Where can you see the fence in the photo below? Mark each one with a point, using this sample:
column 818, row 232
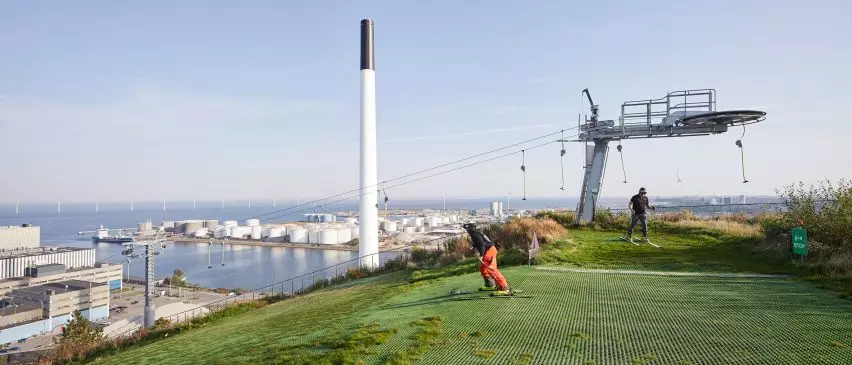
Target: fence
column 320, row 278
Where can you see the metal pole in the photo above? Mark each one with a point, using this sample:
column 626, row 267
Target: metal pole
column 149, row 287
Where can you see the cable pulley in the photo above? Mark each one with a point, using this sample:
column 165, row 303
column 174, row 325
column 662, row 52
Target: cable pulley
column 739, row 144
column 623, row 171
column 562, row 160
column 524, row 171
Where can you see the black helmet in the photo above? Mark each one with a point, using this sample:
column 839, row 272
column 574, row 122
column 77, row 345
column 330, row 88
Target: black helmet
column 642, row 190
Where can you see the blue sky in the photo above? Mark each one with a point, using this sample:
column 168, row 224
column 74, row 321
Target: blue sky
column 259, row 99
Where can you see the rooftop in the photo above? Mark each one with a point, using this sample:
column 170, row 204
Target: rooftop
column 37, row 251
column 60, row 286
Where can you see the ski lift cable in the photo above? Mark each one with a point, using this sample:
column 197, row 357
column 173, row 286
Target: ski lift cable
column 623, row 170
column 416, row 172
column 358, row 195
column 524, row 171
column 739, row 144
column 562, row 160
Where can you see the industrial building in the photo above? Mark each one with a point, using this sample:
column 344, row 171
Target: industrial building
column 18, row 237
column 13, row 263
column 109, row 274
column 43, row 308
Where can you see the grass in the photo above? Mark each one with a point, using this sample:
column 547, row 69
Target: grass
column 572, row 317
column 580, row 318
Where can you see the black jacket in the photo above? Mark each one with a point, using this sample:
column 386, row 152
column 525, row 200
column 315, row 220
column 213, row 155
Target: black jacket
column 478, row 240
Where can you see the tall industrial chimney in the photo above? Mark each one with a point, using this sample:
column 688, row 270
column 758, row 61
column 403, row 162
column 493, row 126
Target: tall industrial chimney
column 368, row 248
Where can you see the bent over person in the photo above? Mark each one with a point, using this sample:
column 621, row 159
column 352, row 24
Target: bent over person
column 494, row 280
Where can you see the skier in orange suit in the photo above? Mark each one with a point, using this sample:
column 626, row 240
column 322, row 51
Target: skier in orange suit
column 494, row 280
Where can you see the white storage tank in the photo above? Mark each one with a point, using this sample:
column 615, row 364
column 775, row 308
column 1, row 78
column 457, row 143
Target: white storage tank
column 355, row 232
column 179, row 227
column 168, row 224
column 313, row 235
column 236, row 232
column 408, row 229
column 350, row 220
column 432, row 221
column 276, row 232
column 445, row 220
column 201, row 233
column 230, row 223
column 421, row 229
column 417, row 222
column 327, row 237
column 405, row 221
column 211, row 223
column 344, row 235
column 252, row 222
column 222, row 232
column 190, row 227
column 454, row 218
column 390, row 226
column 256, row 232
column 298, row 235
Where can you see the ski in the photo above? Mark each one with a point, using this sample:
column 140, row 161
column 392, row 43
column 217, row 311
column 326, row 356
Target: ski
column 493, row 297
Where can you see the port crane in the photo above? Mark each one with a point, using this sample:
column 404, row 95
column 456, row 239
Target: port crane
column 678, row 114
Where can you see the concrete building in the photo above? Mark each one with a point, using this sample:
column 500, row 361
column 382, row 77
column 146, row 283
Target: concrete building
column 43, row 308
column 728, row 200
column 13, row 263
column 109, row 274
column 495, row 209
column 16, row 237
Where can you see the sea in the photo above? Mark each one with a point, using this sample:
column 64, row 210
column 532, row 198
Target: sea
column 246, row 267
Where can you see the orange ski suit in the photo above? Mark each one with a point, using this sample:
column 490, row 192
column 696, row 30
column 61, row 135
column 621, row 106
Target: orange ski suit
column 488, row 268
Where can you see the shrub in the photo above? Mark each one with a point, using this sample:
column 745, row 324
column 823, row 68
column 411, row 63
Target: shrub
column 825, row 210
column 565, row 218
column 517, row 233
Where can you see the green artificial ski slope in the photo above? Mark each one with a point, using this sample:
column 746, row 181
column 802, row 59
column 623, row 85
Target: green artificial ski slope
column 573, row 318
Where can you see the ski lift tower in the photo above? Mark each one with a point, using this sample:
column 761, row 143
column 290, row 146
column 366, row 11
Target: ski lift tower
column 678, row 114
column 152, row 248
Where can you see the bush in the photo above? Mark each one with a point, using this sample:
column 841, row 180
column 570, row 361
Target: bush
column 517, row 233
column 606, row 219
column 566, row 218
column 825, row 210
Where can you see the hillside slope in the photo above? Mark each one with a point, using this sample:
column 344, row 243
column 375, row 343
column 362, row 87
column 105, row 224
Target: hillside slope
column 572, row 318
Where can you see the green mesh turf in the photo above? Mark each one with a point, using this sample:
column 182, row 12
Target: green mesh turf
column 573, row 318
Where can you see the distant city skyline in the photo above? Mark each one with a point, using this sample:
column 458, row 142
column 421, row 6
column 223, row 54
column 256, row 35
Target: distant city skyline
column 162, row 100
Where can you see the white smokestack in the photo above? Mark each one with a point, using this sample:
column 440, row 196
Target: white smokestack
column 369, row 213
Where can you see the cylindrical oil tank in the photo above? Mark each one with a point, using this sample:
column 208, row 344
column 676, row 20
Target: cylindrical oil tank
column 432, row 221
column 327, row 237
column 421, row 229
column 298, row 235
column 417, row 221
column 344, row 235
column 168, row 224
column 222, row 232
column 236, row 232
column 211, row 223
column 454, row 218
column 445, row 220
column 252, row 222
column 201, row 233
column 229, row 223
column 256, row 232
column 405, row 221
column 276, row 232
column 355, row 232
column 192, row 226
column 408, row 229
column 390, row 226
column 313, row 235
column 180, row 227
column 350, row 220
